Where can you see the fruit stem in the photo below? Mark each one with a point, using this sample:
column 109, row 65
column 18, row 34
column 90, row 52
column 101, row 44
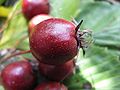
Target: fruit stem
column 78, row 26
column 13, row 55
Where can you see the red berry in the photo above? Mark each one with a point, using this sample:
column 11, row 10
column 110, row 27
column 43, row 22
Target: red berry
column 18, row 76
column 57, row 73
column 36, row 20
column 54, row 41
column 51, row 86
column 32, row 8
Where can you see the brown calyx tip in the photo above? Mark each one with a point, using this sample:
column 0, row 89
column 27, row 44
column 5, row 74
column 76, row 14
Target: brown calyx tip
column 79, row 36
column 78, row 26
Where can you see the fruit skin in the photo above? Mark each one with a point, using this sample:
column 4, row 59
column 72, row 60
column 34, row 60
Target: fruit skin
column 54, row 41
column 18, row 76
column 51, row 86
column 36, row 20
column 31, row 8
column 57, row 73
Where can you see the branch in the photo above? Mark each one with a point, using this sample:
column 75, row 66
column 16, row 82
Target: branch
column 13, row 55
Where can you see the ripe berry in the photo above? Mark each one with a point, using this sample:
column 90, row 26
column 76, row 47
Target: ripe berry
column 18, row 76
column 32, row 8
column 36, row 20
column 57, row 73
column 54, row 41
column 51, row 86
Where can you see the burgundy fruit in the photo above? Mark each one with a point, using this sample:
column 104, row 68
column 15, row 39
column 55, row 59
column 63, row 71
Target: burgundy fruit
column 18, row 76
column 0, row 77
column 51, row 86
column 54, row 41
column 31, row 8
column 36, row 20
column 57, row 73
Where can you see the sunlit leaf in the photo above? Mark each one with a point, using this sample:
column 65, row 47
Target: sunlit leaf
column 101, row 64
column 1, row 88
column 100, row 15
column 109, row 38
column 65, row 8
column 4, row 12
column 15, row 31
column 100, row 67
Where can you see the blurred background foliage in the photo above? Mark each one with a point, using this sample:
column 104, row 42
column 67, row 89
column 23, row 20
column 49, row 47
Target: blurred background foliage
column 99, row 69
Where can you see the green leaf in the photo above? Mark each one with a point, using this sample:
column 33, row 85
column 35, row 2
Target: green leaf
column 98, row 16
column 109, row 38
column 4, row 11
column 100, row 67
column 64, row 8
column 101, row 64
column 105, row 25
column 1, row 88
column 15, row 31
column 77, row 82
column 2, row 1
column 83, row 3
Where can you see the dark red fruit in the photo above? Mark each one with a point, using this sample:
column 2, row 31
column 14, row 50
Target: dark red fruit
column 32, row 8
column 57, row 73
column 36, row 20
column 18, row 76
column 51, row 86
column 54, row 41
column 0, row 77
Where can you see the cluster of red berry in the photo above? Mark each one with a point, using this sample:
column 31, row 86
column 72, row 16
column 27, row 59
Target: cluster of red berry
column 53, row 42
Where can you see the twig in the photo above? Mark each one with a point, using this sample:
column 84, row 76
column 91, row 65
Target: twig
column 8, row 19
column 13, row 55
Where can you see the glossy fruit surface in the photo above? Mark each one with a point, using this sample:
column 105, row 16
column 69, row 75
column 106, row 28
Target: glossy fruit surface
column 57, row 73
column 18, row 76
column 36, row 20
column 51, row 86
column 31, row 8
column 54, row 41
